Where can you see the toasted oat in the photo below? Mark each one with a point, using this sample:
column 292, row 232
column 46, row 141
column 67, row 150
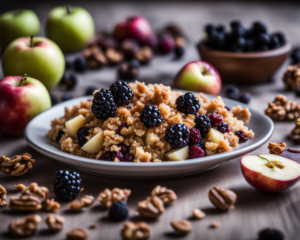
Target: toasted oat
column 20, row 187
column 276, row 148
column 197, row 213
column 215, row 224
column 51, row 205
column 77, row 233
column 24, row 227
column 54, row 222
column 3, row 193
column 181, row 226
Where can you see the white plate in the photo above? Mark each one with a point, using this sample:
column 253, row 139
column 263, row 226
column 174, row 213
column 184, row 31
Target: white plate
column 35, row 135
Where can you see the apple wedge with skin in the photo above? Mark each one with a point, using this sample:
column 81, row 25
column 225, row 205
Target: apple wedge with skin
column 74, row 124
column 270, row 172
column 178, row 154
column 95, row 144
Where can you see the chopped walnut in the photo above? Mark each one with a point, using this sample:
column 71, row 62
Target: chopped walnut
column 152, row 207
column 107, row 197
column 144, row 55
column 181, row 226
column 77, row 234
column 276, row 148
column 166, row 195
column 95, row 58
column 136, row 231
column 20, row 187
column 291, row 77
column 17, row 165
column 51, row 205
column 3, row 193
column 295, row 133
column 25, row 203
column 113, row 56
column 85, row 202
column 215, row 224
column 197, row 213
column 54, row 222
column 24, row 227
column 36, row 190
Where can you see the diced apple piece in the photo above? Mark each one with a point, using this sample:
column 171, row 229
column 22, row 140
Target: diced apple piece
column 147, row 138
column 74, row 124
column 95, row 144
column 178, row 154
column 214, row 136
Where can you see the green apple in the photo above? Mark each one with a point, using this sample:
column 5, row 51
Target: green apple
column 70, row 27
column 39, row 57
column 16, row 24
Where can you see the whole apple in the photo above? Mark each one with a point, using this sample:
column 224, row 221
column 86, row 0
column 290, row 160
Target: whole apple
column 198, row 76
column 21, row 99
column 134, row 27
column 39, row 57
column 16, row 24
column 71, row 28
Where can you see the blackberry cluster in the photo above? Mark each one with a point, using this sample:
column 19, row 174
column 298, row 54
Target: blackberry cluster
column 59, row 135
column 240, row 39
column 82, row 133
column 203, row 124
column 103, row 105
column 188, row 103
column 121, row 92
column 202, row 145
column 196, row 152
column 177, row 135
column 118, row 211
column 223, row 128
column 150, row 116
column 270, row 234
column 66, row 184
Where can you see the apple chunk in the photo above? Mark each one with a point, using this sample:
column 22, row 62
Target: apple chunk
column 178, row 154
column 74, row 124
column 214, row 136
column 95, row 144
column 269, row 172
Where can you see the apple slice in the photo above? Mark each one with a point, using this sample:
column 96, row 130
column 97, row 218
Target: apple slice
column 95, row 144
column 270, row 172
column 178, row 154
column 147, row 137
column 214, row 136
column 74, row 124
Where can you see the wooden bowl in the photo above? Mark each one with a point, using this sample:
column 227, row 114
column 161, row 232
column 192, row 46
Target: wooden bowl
column 255, row 67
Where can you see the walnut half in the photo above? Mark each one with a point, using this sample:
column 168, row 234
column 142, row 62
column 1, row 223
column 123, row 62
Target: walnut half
column 3, row 193
column 24, row 227
column 51, row 205
column 166, row 195
column 276, row 148
column 181, row 226
column 136, row 231
column 17, row 165
column 222, row 198
column 77, row 234
column 152, row 207
column 54, row 222
column 85, row 202
column 107, row 197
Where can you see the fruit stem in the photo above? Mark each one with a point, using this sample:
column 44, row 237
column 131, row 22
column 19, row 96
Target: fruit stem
column 273, row 166
column 31, row 41
column 68, row 9
column 22, row 79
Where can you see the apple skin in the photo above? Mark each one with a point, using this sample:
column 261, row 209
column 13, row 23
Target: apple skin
column 17, row 23
column 18, row 105
column 190, row 78
column 71, row 32
column 264, row 183
column 44, row 61
column 135, row 27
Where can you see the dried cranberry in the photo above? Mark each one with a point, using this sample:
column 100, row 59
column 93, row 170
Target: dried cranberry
column 123, row 147
column 118, row 155
column 106, row 156
column 195, row 152
column 223, row 128
column 242, row 136
column 129, row 157
column 195, row 136
column 215, row 119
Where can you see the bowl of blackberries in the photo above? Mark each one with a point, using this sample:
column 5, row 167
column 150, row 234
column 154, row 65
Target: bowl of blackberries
column 243, row 55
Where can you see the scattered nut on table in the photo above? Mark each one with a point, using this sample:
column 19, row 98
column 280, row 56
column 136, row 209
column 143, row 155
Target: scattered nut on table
column 17, row 165
column 93, row 226
column 276, row 148
column 291, row 77
column 24, row 227
column 197, row 213
column 85, row 202
column 3, row 193
column 54, row 222
column 222, row 198
column 152, row 207
column 107, row 197
column 51, row 205
column 166, row 195
column 295, row 133
column 181, row 226
column 215, row 224
column 136, row 231
column 77, row 234
column 20, row 187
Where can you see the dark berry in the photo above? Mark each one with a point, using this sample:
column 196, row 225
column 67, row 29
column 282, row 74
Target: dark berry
column 215, row 119
column 90, row 90
column 150, row 116
column 232, row 89
column 248, row 33
column 177, row 135
column 262, row 48
column 233, row 96
column 245, row 98
column 128, row 157
column 68, row 64
column 223, row 128
column 103, row 105
column 69, row 82
column 123, row 125
column 179, row 52
column 121, row 92
column 220, row 28
column 195, row 152
column 134, row 63
column 295, row 56
column 203, row 124
column 270, row 234
column 66, row 97
column 238, row 45
column 195, row 136
column 242, row 136
column 118, row 155
column 227, row 108
column 274, row 42
column 263, row 39
column 188, row 103
column 66, row 184
column 63, row 79
column 249, row 46
column 166, row 44
column 209, row 28
column 82, row 133
column 238, row 33
column 127, row 72
column 281, row 37
column 235, row 24
column 54, row 99
column 80, row 65
column 129, row 47
column 118, row 211
column 124, row 148
column 202, row 145
column 107, row 156
column 259, row 27
column 216, row 40
column 59, row 135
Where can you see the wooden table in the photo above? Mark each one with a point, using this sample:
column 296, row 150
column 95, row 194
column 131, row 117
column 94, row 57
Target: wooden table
column 254, row 210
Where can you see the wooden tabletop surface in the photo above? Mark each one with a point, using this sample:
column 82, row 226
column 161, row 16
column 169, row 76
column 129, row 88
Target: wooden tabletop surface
column 254, row 210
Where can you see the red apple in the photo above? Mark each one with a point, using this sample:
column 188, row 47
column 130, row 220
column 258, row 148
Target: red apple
column 270, row 172
column 21, row 99
column 198, row 76
column 134, row 27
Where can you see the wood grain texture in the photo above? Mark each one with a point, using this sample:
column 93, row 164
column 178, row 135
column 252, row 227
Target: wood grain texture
column 254, row 210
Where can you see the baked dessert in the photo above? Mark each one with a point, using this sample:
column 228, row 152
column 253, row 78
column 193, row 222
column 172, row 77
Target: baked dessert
column 149, row 123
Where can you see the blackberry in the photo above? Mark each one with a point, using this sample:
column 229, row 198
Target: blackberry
column 134, row 63
column 195, row 136
column 215, row 119
column 66, row 97
column 259, row 27
column 90, row 90
column 82, row 133
column 270, row 234
column 107, row 156
column 103, row 105
column 202, row 145
column 249, row 46
column 263, row 39
column 150, row 116
column 242, row 136
column 178, row 51
column 203, row 124
column 238, row 45
column 235, row 24
column 177, row 135
column 245, row 98
column 68, row 64
column 188, row 103
column 80, row 65
column 262, row 48
column 238, row 33
column 248, row 33
column 274, row 42
column 121, row 92
column 118, row 211
column 195, row 152
column 59, row 135
column 69, row 82
column 124, row 148
column 66, row 185
column 209, row 28
column 123, row 125
column 128, row 157
column 216, row 40
column 127, row 72
column 54, row 99
column 281, row 37
column 232, row 89
column 223, row 128
column 220, row 28
column 295, row 56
